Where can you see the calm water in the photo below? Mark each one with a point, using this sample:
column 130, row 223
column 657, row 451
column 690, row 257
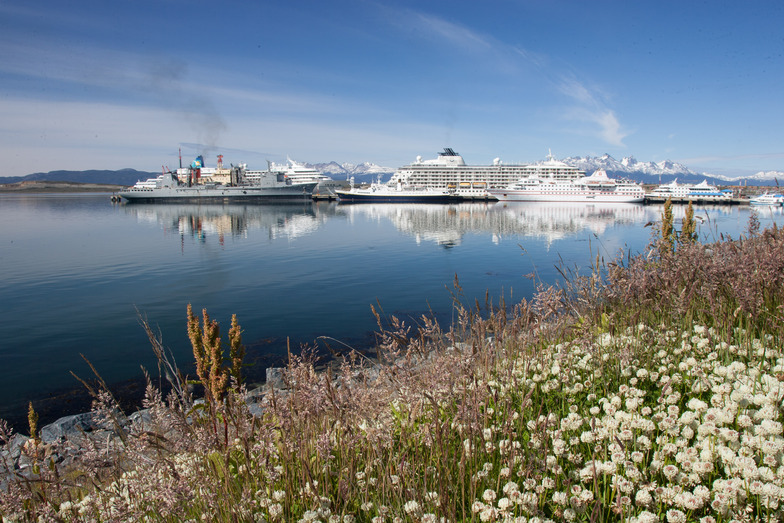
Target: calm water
column 74, row 269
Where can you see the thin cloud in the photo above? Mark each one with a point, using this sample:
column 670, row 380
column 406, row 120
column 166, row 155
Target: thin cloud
column 730, row 158
column 453, row 33
column 589, row 108
column 592, row 109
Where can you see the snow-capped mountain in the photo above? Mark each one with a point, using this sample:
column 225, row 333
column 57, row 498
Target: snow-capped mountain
column 766, row 177
column 663, row 172
column 363, row 172
column 630, row 167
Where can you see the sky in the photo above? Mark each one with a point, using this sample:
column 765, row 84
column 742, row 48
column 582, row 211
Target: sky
column 111, row 85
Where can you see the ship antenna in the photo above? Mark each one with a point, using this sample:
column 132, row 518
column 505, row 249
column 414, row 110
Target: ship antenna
column 180, row 151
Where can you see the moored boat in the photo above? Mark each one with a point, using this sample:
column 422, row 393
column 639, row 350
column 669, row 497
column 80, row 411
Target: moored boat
column 597, row 187
column 397, row 192
column 449, row 171
column 169, row 188
column 300, row 173
column 768, row 199
column 703, row 192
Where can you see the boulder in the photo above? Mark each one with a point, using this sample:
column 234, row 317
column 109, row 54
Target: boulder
column 67, row 426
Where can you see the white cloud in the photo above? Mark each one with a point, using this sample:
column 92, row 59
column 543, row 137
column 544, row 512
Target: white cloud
column 591, row 109
column 453, row 33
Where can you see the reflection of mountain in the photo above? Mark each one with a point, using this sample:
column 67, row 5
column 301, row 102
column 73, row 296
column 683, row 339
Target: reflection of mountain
column 291, row 221
column 447, row 224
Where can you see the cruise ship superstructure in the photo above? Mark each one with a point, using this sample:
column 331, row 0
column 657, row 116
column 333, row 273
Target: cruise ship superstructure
column 450, row 171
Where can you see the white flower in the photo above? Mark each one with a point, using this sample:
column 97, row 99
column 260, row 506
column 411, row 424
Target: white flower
column 647, row 517
column 411, row 507
column 488, row 514
column 504, row 504
column 643, row 498
column 275, row 510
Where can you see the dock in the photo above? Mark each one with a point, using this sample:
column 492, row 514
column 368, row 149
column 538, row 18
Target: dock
column 700, row 201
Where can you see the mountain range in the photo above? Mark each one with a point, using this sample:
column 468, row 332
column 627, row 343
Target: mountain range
column 628, row 167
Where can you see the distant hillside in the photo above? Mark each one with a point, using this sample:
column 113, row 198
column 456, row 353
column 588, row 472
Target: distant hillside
column 121, row 177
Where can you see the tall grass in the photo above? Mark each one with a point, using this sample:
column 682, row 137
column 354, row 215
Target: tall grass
column 648, row 390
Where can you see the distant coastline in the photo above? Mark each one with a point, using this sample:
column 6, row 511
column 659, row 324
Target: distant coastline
column 41, row 186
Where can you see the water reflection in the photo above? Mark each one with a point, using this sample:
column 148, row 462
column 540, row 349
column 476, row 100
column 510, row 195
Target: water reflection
column 447, row 225
column 444, row 225
column 202, row 221
column 557, row 221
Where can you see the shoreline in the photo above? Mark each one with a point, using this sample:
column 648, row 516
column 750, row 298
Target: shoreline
column 41, row 186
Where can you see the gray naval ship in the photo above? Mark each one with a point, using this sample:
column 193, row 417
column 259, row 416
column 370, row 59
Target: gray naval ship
column 198, row 184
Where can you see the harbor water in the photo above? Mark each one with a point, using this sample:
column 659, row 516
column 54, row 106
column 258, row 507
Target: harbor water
column 76, row 273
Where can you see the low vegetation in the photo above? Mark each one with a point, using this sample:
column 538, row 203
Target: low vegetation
column 648, row 390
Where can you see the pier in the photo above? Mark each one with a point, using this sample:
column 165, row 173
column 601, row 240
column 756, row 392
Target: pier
column 700, row 201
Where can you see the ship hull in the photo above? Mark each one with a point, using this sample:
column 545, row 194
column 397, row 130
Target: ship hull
column 350, row 197
column 511, row 195
column 219, row 194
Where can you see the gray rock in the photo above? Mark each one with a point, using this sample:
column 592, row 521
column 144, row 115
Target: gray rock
column 68, row 425
column 275, row 378
column 141, row 419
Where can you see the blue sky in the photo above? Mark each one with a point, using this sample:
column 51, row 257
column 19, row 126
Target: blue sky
column 108, row 85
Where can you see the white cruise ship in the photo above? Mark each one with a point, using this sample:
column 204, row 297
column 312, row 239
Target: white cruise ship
column 450, row 171
column 301, row 173
column 597, row 187
column 703, row 191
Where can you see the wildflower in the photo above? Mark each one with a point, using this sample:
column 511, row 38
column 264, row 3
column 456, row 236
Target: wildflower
column 411, row 507
column 647, row 517
column 275, row 510
column 675, row 516
column 488, row 514
column 560, row 498
column 643, row 498
column 489, row 495
column 670, row 471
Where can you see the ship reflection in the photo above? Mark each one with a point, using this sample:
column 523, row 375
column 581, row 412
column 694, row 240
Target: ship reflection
column 446, row 225
column 204, row 221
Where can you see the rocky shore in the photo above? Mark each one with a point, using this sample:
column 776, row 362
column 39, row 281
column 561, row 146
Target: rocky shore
column 65, row 441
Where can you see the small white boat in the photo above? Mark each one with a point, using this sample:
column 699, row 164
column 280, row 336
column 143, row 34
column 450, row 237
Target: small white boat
column 703, row 191
column 768, row 199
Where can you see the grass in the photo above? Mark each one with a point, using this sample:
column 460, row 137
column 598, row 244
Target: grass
column 648, row 390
